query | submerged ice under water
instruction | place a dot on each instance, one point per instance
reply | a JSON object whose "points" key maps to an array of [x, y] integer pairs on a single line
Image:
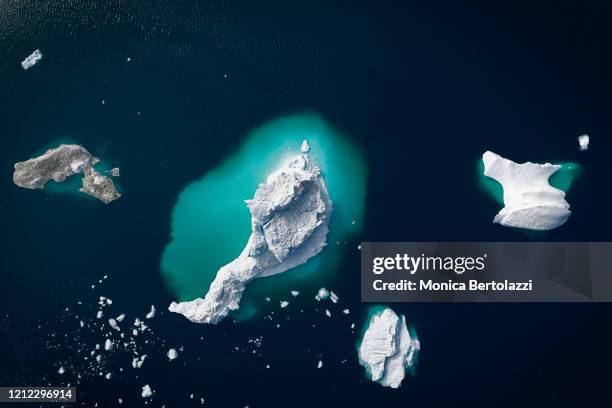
{"points": [[211, 222]]}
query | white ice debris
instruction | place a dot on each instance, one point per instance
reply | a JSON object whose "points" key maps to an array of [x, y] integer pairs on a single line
{"points": [[120, 317], [327, 313], [112, 323], [61, 370], [346, 311], [387, 348], [583, 142], [172, 354], [151, 313], [99, 314], [322, 294], [289, 217], [284, 304], [31, 60], [146, 391], [305, 148], [294, 293], [320, 364], [529, 201], [108, 345], [334, 298], [137, 362]]}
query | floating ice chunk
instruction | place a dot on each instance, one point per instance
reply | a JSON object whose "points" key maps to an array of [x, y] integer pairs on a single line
{"points": [[529, 201], [305, 148], [151, 313], [387, 348], [112, 323], [31, 59], [346, 311], [284, 304], [334, 298], [99, 314], [322, 294], [172, 354], [108, 376], [583, 142], [120, 317], [108, 345], [137, 362], [294, 293], [61, 370], [327, 313], [320, 364], [146, 391], [289, 225]]}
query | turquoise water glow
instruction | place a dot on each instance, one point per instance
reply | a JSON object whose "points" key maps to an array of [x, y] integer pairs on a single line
{"points": [[211, 223]]}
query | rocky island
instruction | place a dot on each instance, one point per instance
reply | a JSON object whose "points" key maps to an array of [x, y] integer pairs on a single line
{"points": [[530, 202], [387, 348], [62, 162], [290, 213]]}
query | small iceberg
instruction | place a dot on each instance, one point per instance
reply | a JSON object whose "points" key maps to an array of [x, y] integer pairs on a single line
{"points": [[31, 60], [388, 348], [530, 202], [583, 142]]}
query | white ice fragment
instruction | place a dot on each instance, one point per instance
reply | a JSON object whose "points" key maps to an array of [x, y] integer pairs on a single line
{"points": [[305, 147], [284, 304], [31, 59], [334, 298], [108, 376], [346, 311], [387, 348], [530, 202], [99, 314], [108, 345], [112, 323], [151, 313], [322, 294], [583, 142], [146, 391], [61, 370], [81, 323], [327, 313], [120, 400], [120, 317], [289, 225], [294, 293], [172, 354], [320, 364]]}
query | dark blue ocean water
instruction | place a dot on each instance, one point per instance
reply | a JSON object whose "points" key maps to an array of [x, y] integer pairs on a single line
{"points": [[422, 88]]}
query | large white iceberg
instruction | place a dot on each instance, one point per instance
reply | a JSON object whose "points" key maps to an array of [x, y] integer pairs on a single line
{"points": [[387, 348], [289, 217], [530, 202]]}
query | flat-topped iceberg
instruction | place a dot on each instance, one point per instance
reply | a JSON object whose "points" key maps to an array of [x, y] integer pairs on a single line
{"points": [[530, 202], [60, 163], [289, 224], [387, 348]]}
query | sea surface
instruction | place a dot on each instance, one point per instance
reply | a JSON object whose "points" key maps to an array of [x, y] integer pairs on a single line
{"points": [[172, 91]]}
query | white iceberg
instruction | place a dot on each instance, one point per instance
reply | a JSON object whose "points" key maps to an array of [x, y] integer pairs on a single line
{"points": [[583, 142], [172, 354], [530, 202], [31, 60], [146, 391], [387, 348], [289, 217]]}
